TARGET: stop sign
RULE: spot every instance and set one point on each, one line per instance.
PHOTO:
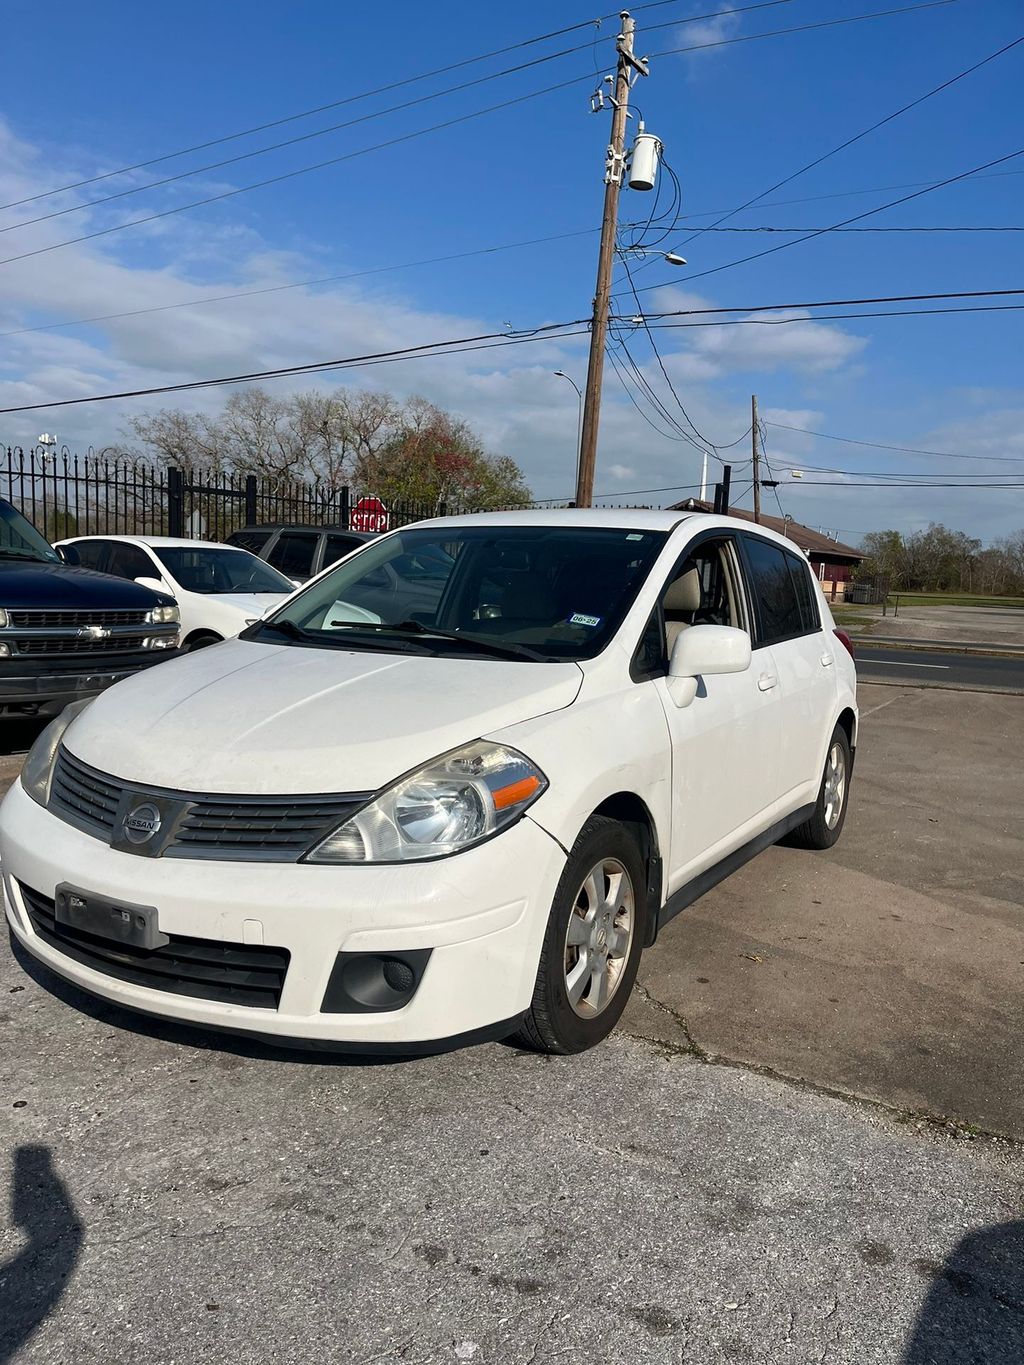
(369, 514)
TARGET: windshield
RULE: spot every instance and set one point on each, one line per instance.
(531, 592)
(19, 539)
(208, 569)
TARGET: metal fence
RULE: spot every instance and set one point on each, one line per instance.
(67, 495)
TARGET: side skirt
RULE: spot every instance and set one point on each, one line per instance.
(692, 891)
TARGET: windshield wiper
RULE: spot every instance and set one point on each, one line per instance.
(5, 553)
(308, 637)
(495, 647)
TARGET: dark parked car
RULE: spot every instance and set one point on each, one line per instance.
(299, 552)
(67, 632)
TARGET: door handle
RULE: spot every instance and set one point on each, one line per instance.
(827, 660)
(767, 681)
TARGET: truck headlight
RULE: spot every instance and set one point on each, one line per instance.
(160, 616)
(5, 620)
(38, 767)
(448, 805)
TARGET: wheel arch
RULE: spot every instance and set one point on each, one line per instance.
(630, 809)
(202, 633)
(848, 720)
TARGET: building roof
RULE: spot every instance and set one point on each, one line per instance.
(812, 542)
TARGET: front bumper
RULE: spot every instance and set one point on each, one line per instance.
(47, 692)
(482, 912)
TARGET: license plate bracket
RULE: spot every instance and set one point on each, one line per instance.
(138, 926)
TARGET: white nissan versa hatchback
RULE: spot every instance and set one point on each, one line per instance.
(464, 819)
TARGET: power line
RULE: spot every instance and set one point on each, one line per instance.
(485, 341)
(889, 118)
(331, 161)
(782, 246)
(831, 483)
(661, 366)
(842, 317)
(666, 435)
(291, 175)
(367, 94)
(905, 450)
(930, 228)
(645, 389)
(806, 28)
(302, 284)
(555, 330)
(837, 303)
(836, 194)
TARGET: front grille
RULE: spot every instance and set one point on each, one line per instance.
(116, 645)
(41, 620)
(199, 825)
(87, 797)
(273, 827)
(233, 973)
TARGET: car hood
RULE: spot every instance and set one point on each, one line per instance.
(248, 717)
(42, 585)
(248, 603)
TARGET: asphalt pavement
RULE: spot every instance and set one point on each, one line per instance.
(929, 667)
(784, 1155)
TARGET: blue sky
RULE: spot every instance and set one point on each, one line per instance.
(114, 83)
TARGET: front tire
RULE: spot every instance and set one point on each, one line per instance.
(592, 943)
(824, 827)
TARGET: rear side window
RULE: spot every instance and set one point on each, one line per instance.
(806, 593)
(253, 541)
(92, 553)
(293, 553)
(337, 547)
(128, 561)
(773, 586)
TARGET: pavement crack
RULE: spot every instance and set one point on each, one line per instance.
(937, 1123)
(693, 1048)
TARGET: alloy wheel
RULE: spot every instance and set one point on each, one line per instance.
(834, 790)
(599, 937)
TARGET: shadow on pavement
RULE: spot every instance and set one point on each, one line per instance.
(974, 1312)
(33, 1283)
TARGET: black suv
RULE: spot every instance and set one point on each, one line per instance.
(66, 632)
(299, 552)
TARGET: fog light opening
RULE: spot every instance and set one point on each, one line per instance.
(371, 983)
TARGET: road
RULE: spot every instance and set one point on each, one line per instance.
(928, 666)
(781, 1156)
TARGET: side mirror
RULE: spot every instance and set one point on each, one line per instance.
(702, 651)
(69, 554)
(154, 584)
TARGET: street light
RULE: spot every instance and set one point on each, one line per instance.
(669, 257)
(579, 418)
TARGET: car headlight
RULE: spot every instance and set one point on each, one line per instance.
(456, 801)
(38, 767)
(160, 616)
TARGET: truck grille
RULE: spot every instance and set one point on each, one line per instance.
(199, 825)
(119, 645)
(207, 969)
(48, 620)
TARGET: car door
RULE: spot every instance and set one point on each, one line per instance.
(725, 743)
(130, 561)
(791, 650)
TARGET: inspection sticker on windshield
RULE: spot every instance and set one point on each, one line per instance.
(579, 619)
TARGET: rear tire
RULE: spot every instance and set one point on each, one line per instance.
(824, 827)
(592, 944)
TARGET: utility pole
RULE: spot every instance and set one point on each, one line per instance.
(755, 450)
(614, 170)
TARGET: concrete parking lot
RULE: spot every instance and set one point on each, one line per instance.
(803, 1144)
